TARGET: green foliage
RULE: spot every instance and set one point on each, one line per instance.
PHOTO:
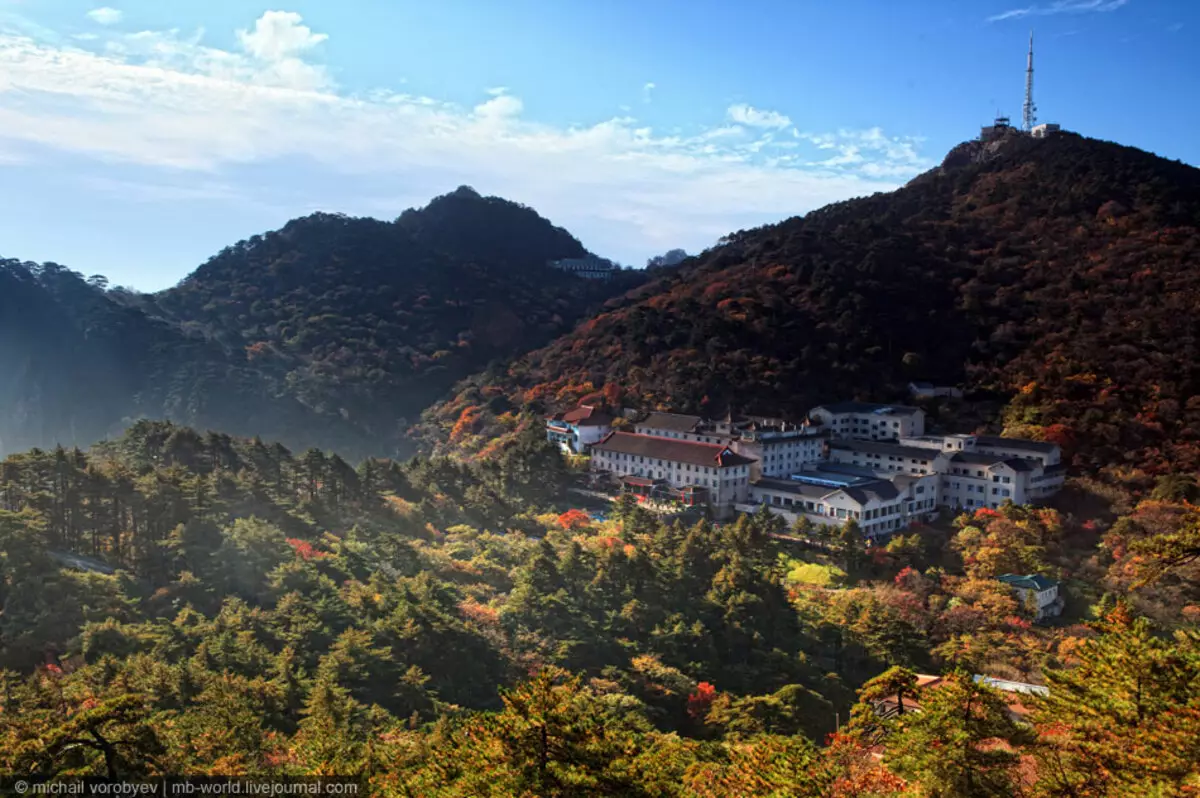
(329, 332)
(959, 744)
(1126, 721)
(179, 603)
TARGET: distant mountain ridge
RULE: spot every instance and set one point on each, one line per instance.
(1056, 279)
(332, 331)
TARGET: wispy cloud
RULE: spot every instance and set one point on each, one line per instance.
(195, 121)
(647, 92)
(105, 16)
(754, 117)
(1060, 7)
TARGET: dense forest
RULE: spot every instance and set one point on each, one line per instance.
(178, 602)
(1056, 280)
(333, 331)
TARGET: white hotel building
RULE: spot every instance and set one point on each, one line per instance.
(852, 460)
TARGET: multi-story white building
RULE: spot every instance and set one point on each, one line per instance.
(1048, 454)
(577, 430)
(970, 477)
(779, 447)
(870, 422)
(884, 458)
(830, 498)
(643, 462)
(868, 462)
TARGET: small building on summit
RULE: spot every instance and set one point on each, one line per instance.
(589, 267)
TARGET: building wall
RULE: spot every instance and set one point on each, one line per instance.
(561, 435)
(1048, 605)
(780, 456)
(573, 438)
(1053, 457)
(886, 464)
(876, 517)
(872, 426)
(941, 443)
(725, 484)
(589, 435)
(702, 436)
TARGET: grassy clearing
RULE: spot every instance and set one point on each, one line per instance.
(800, 572)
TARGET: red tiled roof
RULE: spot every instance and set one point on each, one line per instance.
(583, 416)
(676, 451)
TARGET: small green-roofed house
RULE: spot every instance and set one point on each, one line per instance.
(1042, 590)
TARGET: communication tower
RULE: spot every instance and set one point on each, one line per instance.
(1029, 111)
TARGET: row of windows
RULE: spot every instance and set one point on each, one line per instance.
(841, 422)
(702, 482)
(671, 464)
(682, 436)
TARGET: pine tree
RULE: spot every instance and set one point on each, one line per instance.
(960, 745)
(1126, 720)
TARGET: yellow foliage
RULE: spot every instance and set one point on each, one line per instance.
(401, 507)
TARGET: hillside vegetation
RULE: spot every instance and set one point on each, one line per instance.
(1054, 278)
(176, 602)
(332, 331)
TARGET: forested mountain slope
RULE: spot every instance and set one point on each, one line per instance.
(332, 331)
(1057, 275)
(174, 602)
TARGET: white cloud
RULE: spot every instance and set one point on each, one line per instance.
(105, 16)
(748, 115)
(162, 100)
(501, 106)
(278, 35)
(1060, 7)
(647, 90)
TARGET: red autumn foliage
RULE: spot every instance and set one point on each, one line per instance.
(1061, 434)
(700, 700)
(305, 550)
(910, 579)
(574, 519)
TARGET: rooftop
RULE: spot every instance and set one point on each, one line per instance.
(676, 451)
(979, 458)
(585, 416)
(1028, 581)
(1043, 447)
(675, 422)
(879, 489)
(1011, 687)
(879, 447)
(868, 407)
(796, 488)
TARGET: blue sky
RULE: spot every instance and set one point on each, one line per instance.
(139, 137)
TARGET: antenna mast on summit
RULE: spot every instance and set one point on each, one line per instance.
(1029, 112)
